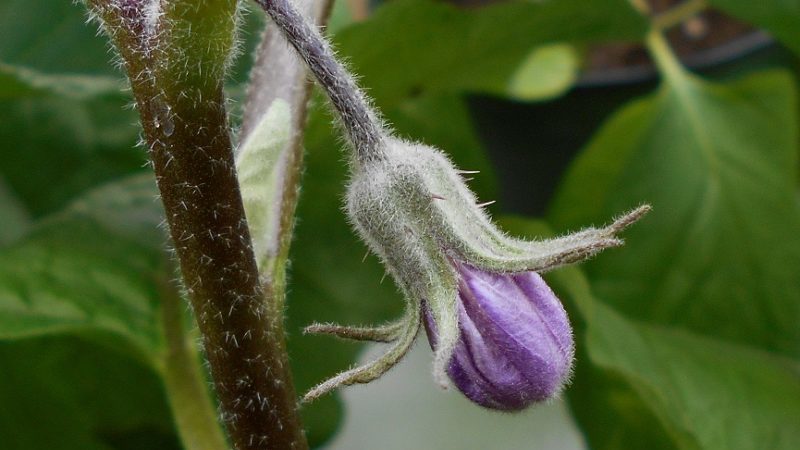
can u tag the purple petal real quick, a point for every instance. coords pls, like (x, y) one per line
(516, 344)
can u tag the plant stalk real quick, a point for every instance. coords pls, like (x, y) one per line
(678, 14)
(186, 129)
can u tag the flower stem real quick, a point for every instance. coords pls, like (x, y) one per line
(361, 122)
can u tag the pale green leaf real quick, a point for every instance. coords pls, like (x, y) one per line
(547, 72)
(259, 165)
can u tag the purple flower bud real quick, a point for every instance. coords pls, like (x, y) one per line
(515, 346)
(500, 335)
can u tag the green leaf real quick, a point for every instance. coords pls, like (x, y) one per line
(63, 119)
(21, 82)
(780, 17)
(711, 394)
(547, 72)
(52, 37)
(64, 393)
(86, 271)
(704, 392)
(259, 166)
(128, 207)
(435, 46)
(95, 277)
(60, 147)
(720, 253)
(16, 221)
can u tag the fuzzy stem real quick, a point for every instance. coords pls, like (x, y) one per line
(191, 152)
(192, 157)
(362, 123)
(185, 126)
(194, 166)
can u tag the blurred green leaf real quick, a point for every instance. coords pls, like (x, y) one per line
(128, 207)
(330, 279)
(16, 221)
(52, 37)
(63, 117)
(710, 394)
(85, 271)
(63, 121)
(63, 393)
(547, 72)
(706, 393)
(63, 126)
(21, 82)
(780, 17)
(79, 320)
(414, 46)
(59, 147)
(720, 252)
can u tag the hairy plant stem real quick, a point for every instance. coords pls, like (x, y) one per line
(186, 129)
(361, 122)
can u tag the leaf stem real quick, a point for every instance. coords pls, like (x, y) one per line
(664, 57)
(195, 416)
(679, 14)
(288, 84)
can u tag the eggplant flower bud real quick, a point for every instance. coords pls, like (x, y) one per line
(413, 209)
(515, 346)
(499, 332)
